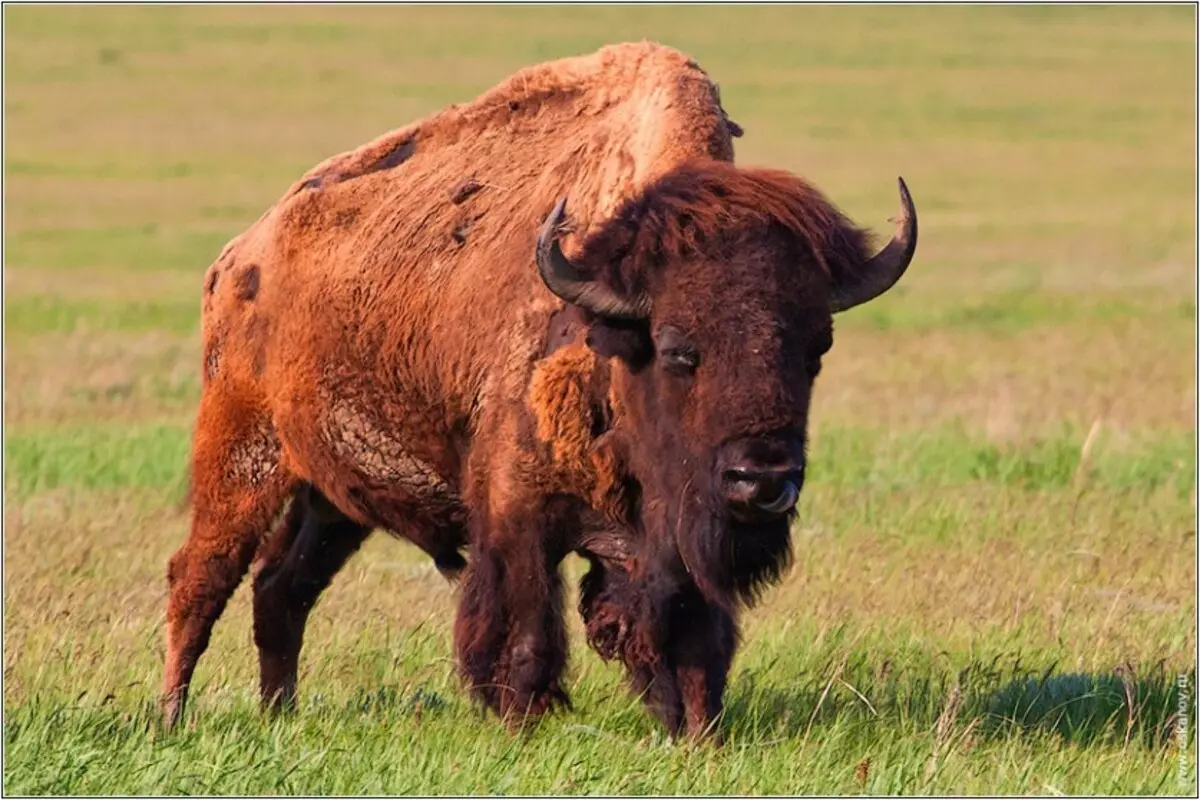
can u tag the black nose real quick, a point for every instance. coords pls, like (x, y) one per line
(761, 479)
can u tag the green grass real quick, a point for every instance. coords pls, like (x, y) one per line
(97, 457)
(994, 585)
(114, 456)
(144, 247)
(433, 739)
(48, 314)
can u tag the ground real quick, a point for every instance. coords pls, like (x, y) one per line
(995, 580)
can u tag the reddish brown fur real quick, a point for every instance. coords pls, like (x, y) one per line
(341, 345)
(380, 347)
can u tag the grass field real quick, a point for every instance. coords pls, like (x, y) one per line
(995, 577)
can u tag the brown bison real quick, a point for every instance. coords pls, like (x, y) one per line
(421, 337)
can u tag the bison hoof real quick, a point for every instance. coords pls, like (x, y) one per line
(520, 710)
(170, 708)
(277, 700)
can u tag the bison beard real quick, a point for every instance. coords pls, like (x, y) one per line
(730, 561)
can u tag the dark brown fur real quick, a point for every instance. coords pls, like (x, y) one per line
(742, 261)
(712, 209)
(711, 216)
(379, 363)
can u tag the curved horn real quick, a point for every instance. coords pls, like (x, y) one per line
(885, 268)
(561, 277)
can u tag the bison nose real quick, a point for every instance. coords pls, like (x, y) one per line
(760, 476)
(755, 492)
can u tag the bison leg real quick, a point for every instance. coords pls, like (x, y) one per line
(312, 544)
(702, 643)
(683, 683)
(676, 648)
(628, 618)
(509, 635)
(238, 487)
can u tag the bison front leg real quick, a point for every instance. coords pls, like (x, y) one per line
(509, 634)
(702, 643)
(676, 647)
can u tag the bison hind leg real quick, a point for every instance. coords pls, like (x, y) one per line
(311, 545)
(238, 487)
(440, 535)
(442, 548)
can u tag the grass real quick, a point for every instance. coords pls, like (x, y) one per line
(994, 588)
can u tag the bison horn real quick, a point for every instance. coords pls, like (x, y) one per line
(562, 278)
(881, 272)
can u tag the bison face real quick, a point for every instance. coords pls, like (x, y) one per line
(711, 396)
(715, 353)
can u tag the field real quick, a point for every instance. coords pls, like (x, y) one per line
(994, 587)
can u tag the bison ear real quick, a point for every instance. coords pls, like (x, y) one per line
(628, 340)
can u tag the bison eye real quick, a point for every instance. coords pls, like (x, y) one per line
(685, 359)
(676, 352)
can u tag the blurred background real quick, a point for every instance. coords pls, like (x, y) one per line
(1003, 446)
(1049, 149)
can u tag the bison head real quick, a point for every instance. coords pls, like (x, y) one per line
(712, 293)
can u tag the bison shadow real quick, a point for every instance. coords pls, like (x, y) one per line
(394, 700)
(1120, 707)
(979, 702)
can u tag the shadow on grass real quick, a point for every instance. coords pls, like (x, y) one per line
(1119, 708)
(392, 701)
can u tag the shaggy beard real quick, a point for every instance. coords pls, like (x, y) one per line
(730, 562)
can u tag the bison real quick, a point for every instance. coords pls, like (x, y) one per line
(557, 319)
